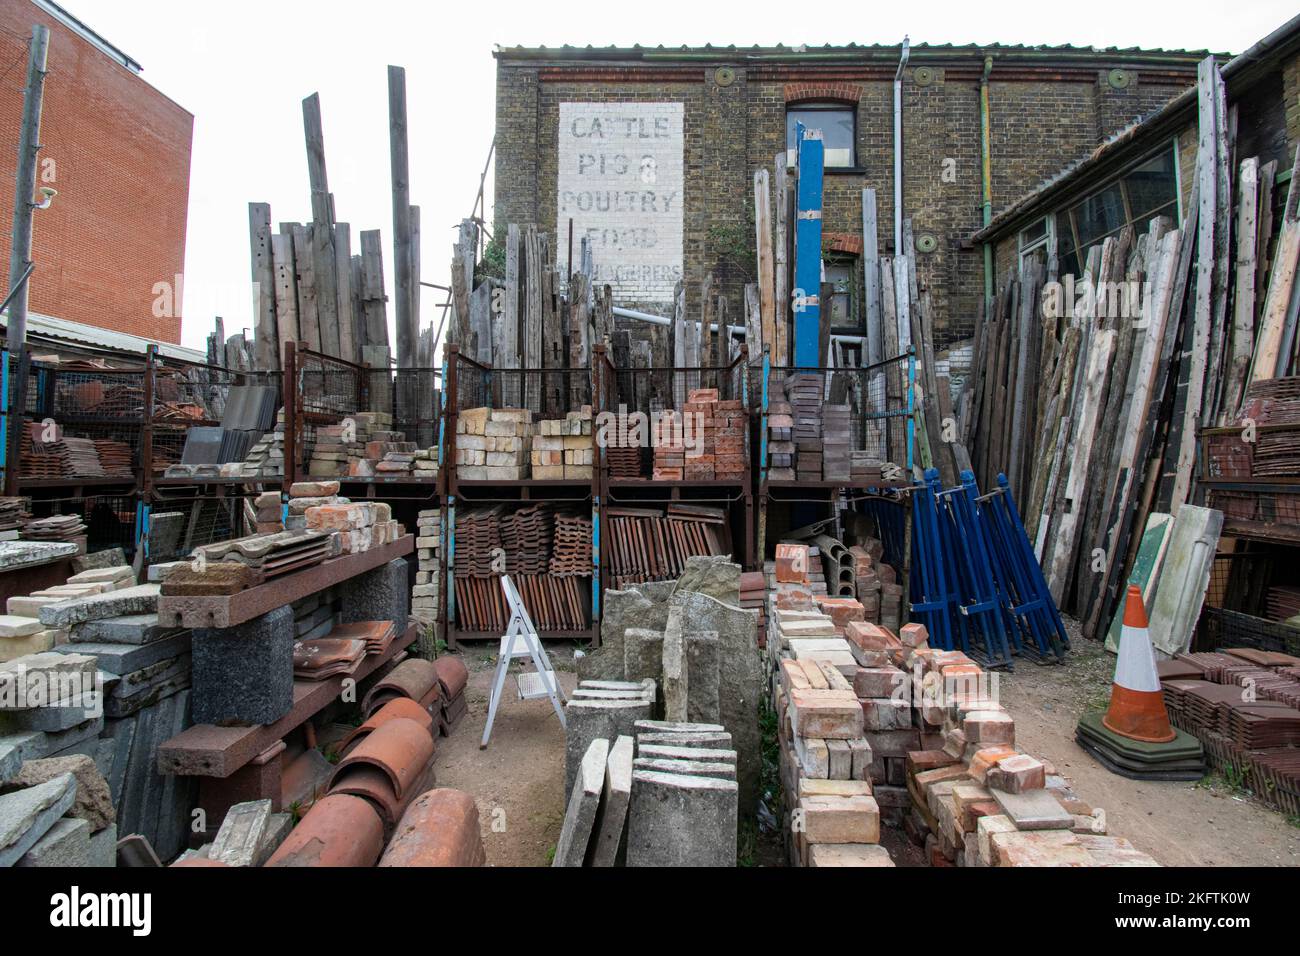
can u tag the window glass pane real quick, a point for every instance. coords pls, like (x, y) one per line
(837, 132)
(1035, 232)
(839, 276)
(1099, 215)
(1151, 185)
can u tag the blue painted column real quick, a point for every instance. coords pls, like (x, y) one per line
(808, 249)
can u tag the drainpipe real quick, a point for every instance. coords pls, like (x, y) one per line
(987, 175)
(898, 148)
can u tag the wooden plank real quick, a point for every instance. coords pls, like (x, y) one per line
(263, 277)
(416, 289)
(304, 261)
(1221, 179)
(871, 277)
(372, 289)
(324, 260)
(1280, 284)
(507, 354)
(347, 319)
(781, 268)
(1081, 447)
(1243, 305)
(480, 323)
(401, 186)
(286, 291)
(753, 319)
(766, 262)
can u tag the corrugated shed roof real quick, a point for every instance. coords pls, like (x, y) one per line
(67, 331)
(637, 51)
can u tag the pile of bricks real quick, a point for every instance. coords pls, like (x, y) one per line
(358, 526)
(494, 443)
(426, 592)
(805, 392)
(302, 495)
(354, 446)
(266, 458)
(832, 817)
(268, 510)
(719, 427)
(562, 447)
(780, 441)
(837, 440)
(669, 450)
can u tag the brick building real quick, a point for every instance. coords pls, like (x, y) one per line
(118, 152)
(651, 152)
(1096, 196)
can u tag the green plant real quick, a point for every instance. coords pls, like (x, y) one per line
(493, 263)
(550, 854)
(733, 244)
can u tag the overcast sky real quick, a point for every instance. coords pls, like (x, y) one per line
(242, 68)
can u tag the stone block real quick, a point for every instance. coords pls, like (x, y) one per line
(1017, 774)
(676, 686)
(93, 800)
(27, 815)
(244, 675)
(141, 599)
(834, 818)
(589, 720)
(703, 674)
(66, 844)
(584, 802)
(608, 844)
(848, 854)
(1034, 810)
(679, 820)
(714, 575)
(826, 713)
(130, 629)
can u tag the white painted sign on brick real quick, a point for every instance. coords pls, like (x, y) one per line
(620, 181)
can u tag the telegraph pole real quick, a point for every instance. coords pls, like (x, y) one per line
(20, 253)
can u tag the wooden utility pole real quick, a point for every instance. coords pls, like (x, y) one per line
(406, 332)
(20, 255)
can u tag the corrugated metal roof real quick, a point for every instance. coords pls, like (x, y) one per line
(62, 329)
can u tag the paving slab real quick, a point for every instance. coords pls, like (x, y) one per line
(141, 599)
(584, 802)
(680, 820)
(27, 815)
(1034, 810)
(66, 844)
(611, 818)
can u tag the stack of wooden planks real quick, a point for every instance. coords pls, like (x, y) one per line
(1090, 392)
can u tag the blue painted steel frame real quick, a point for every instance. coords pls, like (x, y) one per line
(808, 248)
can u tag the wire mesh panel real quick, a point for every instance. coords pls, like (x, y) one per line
(82, 423)
(328, 386)
(872, 401)
(178, 525)
(109, 519)
(416, 400)
(548, 393)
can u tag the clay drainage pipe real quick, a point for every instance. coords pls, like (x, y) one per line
(398, 707)
(401, 748)
(339, 830)
(413, 678)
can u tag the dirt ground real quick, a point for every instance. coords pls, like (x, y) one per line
(1207, 823)
(518, 780)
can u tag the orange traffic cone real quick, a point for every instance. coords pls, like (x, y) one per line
(1137, 706)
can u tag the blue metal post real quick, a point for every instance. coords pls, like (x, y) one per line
(595, 561)
(762, 432)
(911, 393)
(808, 249)
(4, 416)
(451, 559)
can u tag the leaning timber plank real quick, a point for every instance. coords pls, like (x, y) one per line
(286, 291)
(263, 275)
(324, 261)
(766, 263)
(507, 355)
(233, 609)
(871, 277)
(1264, 231)
(1080, 452)
(206, 750)
(1280, 284)
(372, 288)
(414, 218)
(305, 264)
(399, 166)
(1134, 438)
(1220, 173)
(781, 266)
(1243, 310)
(347, 319)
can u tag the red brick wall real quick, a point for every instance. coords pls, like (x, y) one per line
(121, 153)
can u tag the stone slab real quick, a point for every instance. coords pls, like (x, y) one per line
(588, 720)
(66, 844)
(27, 815)
(141, 599)
(611, 819)
(679, 820)
(584, 802)
(1034, 810)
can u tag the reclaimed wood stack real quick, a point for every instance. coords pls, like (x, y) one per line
(1089, 392)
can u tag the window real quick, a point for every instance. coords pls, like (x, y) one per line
(1035, 241)
(838, 123)
(1145, 191)
(839, 275)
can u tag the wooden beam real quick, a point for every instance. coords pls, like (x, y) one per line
(766, 262)
(401, 184)
(263, 275)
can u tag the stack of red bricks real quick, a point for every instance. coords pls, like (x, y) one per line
(795, 578)
(669, 451)
(974, 798)
(719, 429)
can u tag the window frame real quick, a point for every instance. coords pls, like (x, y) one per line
(825, 106)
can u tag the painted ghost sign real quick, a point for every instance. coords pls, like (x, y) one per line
(620, 181)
